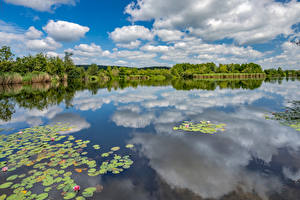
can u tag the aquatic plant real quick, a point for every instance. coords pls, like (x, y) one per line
(289, 117)
(48, 160)
(203, 127)
(129, 146)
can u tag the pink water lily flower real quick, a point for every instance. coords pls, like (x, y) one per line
(4, 169)
(76, 188)
(186, 126)
(52, 139)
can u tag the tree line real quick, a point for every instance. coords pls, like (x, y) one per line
(42, 68)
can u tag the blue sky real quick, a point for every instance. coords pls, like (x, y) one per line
(154, 32)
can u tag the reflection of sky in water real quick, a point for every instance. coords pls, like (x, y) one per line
(253, 154)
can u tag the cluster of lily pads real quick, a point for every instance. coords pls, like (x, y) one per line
(203, 127)
(40, 159)
(289, 117)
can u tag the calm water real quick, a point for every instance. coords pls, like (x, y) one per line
(253, 159)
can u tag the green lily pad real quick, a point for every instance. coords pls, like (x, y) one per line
(3, 196)
(89, 192)
(5, 185)
(11, 178)
(70, 195)
(42, 196)
(96, 146)
(115, 148)
(129, 146)
(203, 127)
(80, 198)
(290, 117)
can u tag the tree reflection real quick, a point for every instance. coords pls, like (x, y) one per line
(41, 96)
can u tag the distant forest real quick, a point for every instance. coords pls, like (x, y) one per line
(41, 68)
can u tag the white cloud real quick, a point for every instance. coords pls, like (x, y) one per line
(41, 5)
(88, 53)
(151, 48)
(250, 21)
(290, 57)
(53, 54)
(47, 44)
(127, 34)
(194, 50)
(65, 31)
(33, 33)
(169, 35)
(133, 55)
(6, 38)
(130, 45)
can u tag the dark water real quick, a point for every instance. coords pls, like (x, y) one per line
(253, 159)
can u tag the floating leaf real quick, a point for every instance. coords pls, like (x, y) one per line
(290, 117)
(42, 196)
(115, 148)
(80, 198)
(89, 192)
(3, 196)
(70, 195)
(6, 185)
(96, 146)
(11, 178)
(129, 146)
(203, 127)
(105, 154)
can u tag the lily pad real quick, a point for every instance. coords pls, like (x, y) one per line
(89, 192)
(11, 178)
(203, 127)
(70, 195)
(5, 185)
(42, 196)
(96, 146)
(129, 146)
(115, 148)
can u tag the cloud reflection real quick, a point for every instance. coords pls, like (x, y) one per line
(78, 123)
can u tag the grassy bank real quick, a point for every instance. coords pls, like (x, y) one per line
(29, 78)
(219, 76)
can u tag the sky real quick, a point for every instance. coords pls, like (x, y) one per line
(141, 33)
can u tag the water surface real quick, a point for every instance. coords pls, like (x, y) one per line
(253, 158)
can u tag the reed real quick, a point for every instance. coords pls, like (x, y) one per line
(10, 78)
(36, 78)
(230, 76)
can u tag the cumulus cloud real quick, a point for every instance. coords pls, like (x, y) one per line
(130, 45)
(213, 19)
(65, 31)
(289, 57)
(26, 40)
(33, 33)
(41, 5)
(169, 35)
(159, 48)
(132, 55)
(47, 44)
(127, 34)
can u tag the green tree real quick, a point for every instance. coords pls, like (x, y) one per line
(93, 70)
(6, 54)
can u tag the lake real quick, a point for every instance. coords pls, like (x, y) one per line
(249, 157)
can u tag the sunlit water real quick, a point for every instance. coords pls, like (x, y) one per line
(253, 158)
